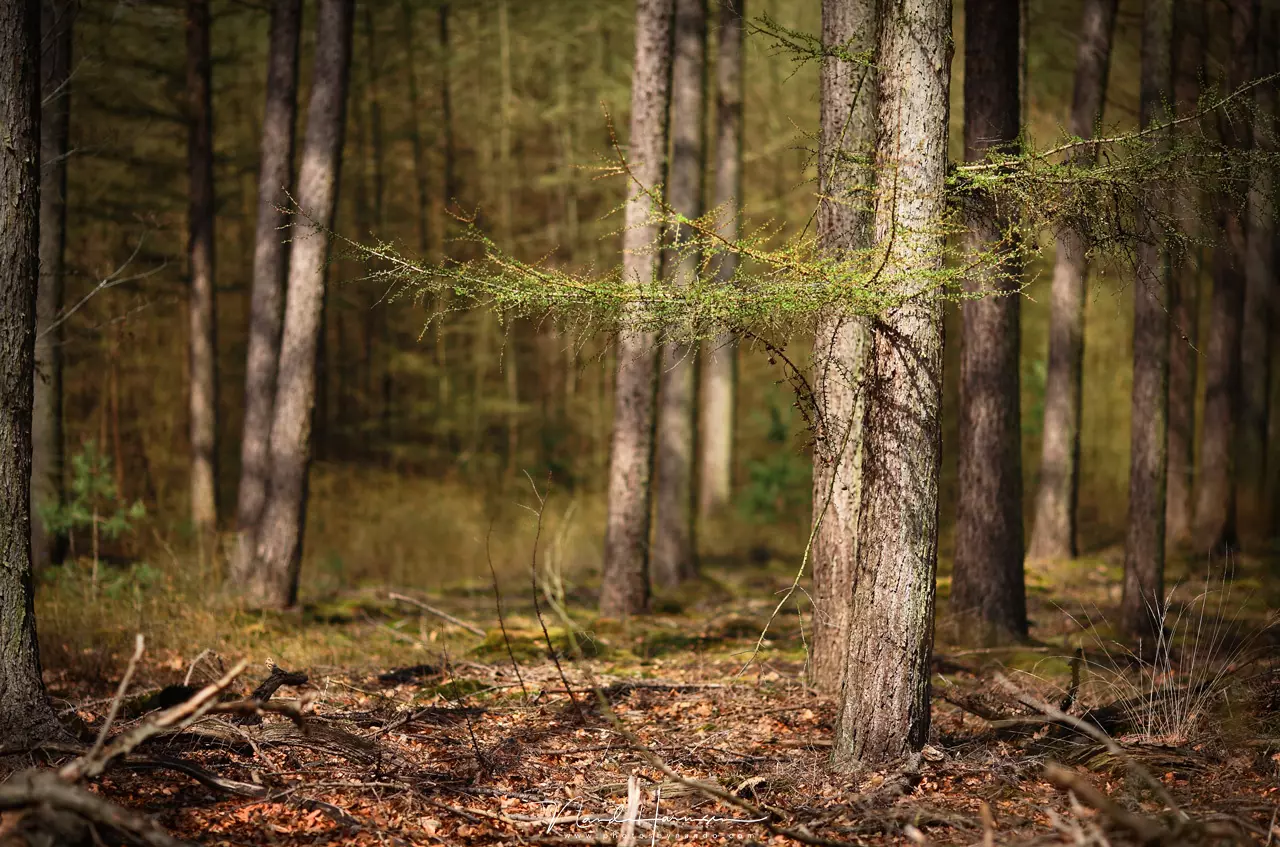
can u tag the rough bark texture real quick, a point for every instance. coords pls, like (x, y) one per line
(674, 546)
(25, 714)
(1148, 428)
(988, 592)
(1053, 533)
(278, 547)
(625, 585)
(270, 262)
(718, 391)
(201, 306)
(884, 702)
(1189, 28)
(46, 426)
(847, 117)
(1216, 489)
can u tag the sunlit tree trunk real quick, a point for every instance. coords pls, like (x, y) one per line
(46, 428)
(625, 584)
(279, 541)
(1053, 531)
(25, 713)
(884, 702)
(202, 302)
(1148, 439)
(719, 357)
(988, 592)
(270, 263)
(847, 121)
(674, 552)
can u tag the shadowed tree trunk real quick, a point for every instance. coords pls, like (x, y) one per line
(1053, 532)
(422, 194)
(46, 427)
(847, 116)
(270, 263)
(278, 546)
(988, 591)
(202, 305)
(1216, 488)
(1148, 427)
(625, 584)
(1189, 28)
(449, 193)
(884, 702)
(25, 713)
(674, 551)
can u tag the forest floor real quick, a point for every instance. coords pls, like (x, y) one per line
(676, 723)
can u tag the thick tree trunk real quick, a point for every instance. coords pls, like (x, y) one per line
(202, 305)
(25, 713)
(1189, 27)
(1053, 533)
(847, 125)
(278, 546)
(625, 585)
(1216, 490)
(988, 591)
(46, 427)
(884, 702)
(718, 390)
(270, 264)
(674, 550)
(1148, 427)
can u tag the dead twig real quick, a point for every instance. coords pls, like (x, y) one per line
(432, 610)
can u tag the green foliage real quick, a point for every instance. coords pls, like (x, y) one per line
(93, 501)
(778, 485)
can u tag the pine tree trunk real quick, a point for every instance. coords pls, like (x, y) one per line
(847, 107)
(46, 428)
(674, 552)
(884, 702)
(279, 543)
(202, 305)
(719, 386)
(448, 194)
(25, 713)
(1053, 533)
(625, 584)
(420, 182)
(988, 591)
(1148, 457)
(270, 265)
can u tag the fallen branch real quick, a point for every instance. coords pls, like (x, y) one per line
(432, 610)
(1146, 830)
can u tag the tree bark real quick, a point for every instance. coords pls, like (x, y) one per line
(847, 118)
(420, 182)
(988, 591)
(884, 703)
(674, 547)
(270, 264)
(278, 545)
(46, 428)
(718, 390)
(1216, 492)
(25, 713)
(1053, 534)
(1148, 428)
(202, 305)
(625, 586)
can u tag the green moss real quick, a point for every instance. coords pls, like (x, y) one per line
(531, 645)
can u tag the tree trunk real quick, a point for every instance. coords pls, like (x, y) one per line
(46, 428)
(1216, 491)
(279, 542)
(448, 195)
(1053, 534)
(270, 264)
(202, 306)
(674, 551)
(718, 390)
(25, 713)
(1190, 27)
(988, 591)
(847, 107)
(884, 703)
(1148, 457)
(420, 184)
(625, 585)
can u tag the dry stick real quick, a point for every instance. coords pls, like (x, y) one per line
(471, 628)
(497, 600)
(139, 644)
(1148, 831)
(475, 743)
(44, 788)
